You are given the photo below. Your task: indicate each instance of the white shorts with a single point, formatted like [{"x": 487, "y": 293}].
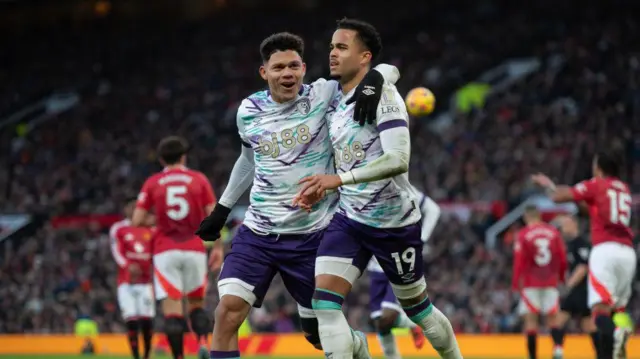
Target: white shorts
[
  {"x": 542, "y": 301},
  {"x": 612, "y": 267},
  {"x": 179, "y": 273},
  {"x": 136, "y": 301}
]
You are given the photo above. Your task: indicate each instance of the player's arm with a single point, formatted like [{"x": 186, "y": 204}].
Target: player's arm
[
  {"x": 583, "y": 191},
  {"x": 430, "y": 216},
  {"x": 518, "y": 262},
  {"x": 240, "y": 180},
  {"x": 143, "y": 205},
  {"x": 562, "y": 253},
  {"x": 582, "y": 269},
  {"x": 116, "y": 247}
]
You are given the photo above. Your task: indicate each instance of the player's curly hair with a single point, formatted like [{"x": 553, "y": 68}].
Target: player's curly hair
[
  {"x": 609, "y": 162},
  {"x": 281, "y": 41},
  {"x": 367, "y": 34},
  {"x": 172, "y": 148}
]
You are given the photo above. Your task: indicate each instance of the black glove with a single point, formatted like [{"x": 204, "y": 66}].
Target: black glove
[
  {"x": 211, "y": 226},
  {"x": 367, "y": 97}
]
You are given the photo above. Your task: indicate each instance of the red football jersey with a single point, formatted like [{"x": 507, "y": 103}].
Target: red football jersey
[
  {"x": 540, "y": 257},
  {"x": 179, "y": 197},
  {"x": 609, "y": 202},
  {"x": 131, "y": 245}
]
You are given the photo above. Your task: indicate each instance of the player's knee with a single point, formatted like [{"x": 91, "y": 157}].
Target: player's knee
[
  {"x": 230, "y": 313},
  {"x": 410, "y": 293},
  {"x": 310, "y": 329},
  {"x": 175, "y": 326},
  {"x": 200, "y": 321},
  {"x": 386, "y": 322}
]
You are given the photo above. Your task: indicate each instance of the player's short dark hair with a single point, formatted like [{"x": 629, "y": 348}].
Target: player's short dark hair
[
  {"x": 367, "y": 34},
  {"x": 609, "y": 163},
  {"x": 172, "y": 148},
  {"x": 130, "y": 199},
  {"x": 281, "y": 41}
]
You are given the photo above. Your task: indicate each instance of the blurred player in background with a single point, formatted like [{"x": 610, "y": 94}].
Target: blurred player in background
[
  {"x": 612, "y": 262},
  {"x": 574, "y": 301},
  {"x": 386, "y": 312},
  {"x": 377, "y": 214},
  {"x": 131, "y": 248},
  {"x": 180, "y": 198},
  {"x": 284, "y": 138},
  {"x": 540, "y": 263}
]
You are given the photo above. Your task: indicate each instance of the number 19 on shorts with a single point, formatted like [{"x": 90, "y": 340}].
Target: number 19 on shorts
[{"x": 404, "y": 259}]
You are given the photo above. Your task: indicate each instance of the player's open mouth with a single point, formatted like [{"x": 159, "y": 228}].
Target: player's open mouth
[
  {"x": 333, "y": 63},
  {"x": 288, "y": 85}
]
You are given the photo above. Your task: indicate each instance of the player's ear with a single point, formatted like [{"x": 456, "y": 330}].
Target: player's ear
[
  {"x": 263, "y": 72},
  {"x": 366, "y": 58}
]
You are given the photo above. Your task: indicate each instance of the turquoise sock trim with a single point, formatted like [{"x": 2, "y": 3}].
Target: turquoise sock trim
[
  {"x": 325, "y": 305},
  {"x": 330, "y": 292},
  {"x": 423, "y": 314},
  {"x": 396, "y": 323},
  {"x": 415, "y": 305}
]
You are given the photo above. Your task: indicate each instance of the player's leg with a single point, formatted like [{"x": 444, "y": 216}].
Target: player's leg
[
  {"x": 626, "y": 270},
  {"x": 195, "y": 286},
  {"x": 601, "y": 287},
  {"x": 588, "y": 326},
  {"x": 244, "y": 279},
  {"x": 550, "y": 298},
  {"x": 168, "y": 284},
  {"x": 399, "y": 252},
  {"x": 147, "y": 311},
  {"x": 340, "y": 261},
  {"x": 127, "y": 304},
  {"x": 558, "y": 331},
  {"x": 530, "y": 306}
]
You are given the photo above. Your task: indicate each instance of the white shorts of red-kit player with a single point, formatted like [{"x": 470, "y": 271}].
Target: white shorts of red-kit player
[
  {"x": 612, "y": 268},
  {"x": 136, "y": 301},
  {"x": 543, "y": 301},
  {"x": 180, "y": 273}
]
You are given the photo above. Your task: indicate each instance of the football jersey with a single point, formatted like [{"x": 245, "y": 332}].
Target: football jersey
[
  {"x": 131, "y": 245},
  {"x": 540, "y": 257},
  {"x": 290, "y": 141},
  {"x": 178, "y": 197},
  {"x": 578, "y": 251},
  {"x": 609, "y": 202},
  {"x": 387, "y": 203}
]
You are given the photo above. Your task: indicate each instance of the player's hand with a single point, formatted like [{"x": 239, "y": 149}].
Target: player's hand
[
  {"x": 542, "y": 180},
  {"x": 316, "y": 185},
  {"x": 215, "y": 258},
  {"x": 367, "y": 96},
  {"x": 306, "y": 202},
  {"x": 211, "y": 226}
]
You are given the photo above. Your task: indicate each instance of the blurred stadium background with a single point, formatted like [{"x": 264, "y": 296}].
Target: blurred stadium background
[{"x": 87, "y": 89}]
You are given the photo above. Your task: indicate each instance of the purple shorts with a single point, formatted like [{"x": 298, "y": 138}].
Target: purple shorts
[
  {"x": 398, "y": 250},
  {"x": 255, "y": 259},
  {"x": 381, "y": 295}
]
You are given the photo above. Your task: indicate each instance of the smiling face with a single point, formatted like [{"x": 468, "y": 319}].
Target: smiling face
[{"x": 284, "y": 72}]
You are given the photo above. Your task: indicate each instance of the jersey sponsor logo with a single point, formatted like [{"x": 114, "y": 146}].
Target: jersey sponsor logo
[
  {"x": 128, "y": 237},
  {"x": 390, "y": 109}
]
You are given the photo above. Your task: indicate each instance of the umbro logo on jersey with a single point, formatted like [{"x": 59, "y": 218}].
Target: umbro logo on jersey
[{"x": 368, "y": 92}]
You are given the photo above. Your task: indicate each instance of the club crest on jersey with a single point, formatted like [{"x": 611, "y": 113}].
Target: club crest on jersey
[{"x": 303, "y": 106}]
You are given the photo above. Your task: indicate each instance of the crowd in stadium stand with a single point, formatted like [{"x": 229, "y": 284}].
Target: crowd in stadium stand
[{"x": 140, "y": 84}]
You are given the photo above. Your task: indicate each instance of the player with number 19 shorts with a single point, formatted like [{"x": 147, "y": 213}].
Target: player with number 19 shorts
[
  {"x": 540, "y": 263},
  {"x": 386, "y": 311},
  {"x": 180, "y": 198},
  {"x": 131, "y": 248},
  {"x": 612, "y": 262}
]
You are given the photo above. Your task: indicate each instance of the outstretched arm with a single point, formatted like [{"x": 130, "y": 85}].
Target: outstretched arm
[{"x": 240, "y": 179}]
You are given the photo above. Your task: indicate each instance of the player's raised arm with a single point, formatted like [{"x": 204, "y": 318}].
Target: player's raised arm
[
  {"x": 557, "y": 193},
  {"x": 240, "y": 180}
]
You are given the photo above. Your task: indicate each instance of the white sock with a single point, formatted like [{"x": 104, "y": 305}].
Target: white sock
[
  {"x": 335, "y": 334},
  {"x": 404, "y": 321},
  {"x": 389, "y": 347},
  {"x": 439, "y": 332}
]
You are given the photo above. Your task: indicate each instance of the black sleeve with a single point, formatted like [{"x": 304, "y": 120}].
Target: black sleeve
[{"x": 581, "y": 251}]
